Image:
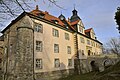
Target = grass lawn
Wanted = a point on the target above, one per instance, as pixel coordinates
(87, 76)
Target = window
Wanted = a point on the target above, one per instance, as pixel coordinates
(88, 42)
(81, 29)
(39, 63)
(67, 36)
(89, 52)
(56, 48)
(68, 49)
(82, 40)
(41, 15)
(57, 63)
(5, 51)
(82, 52)
(38, 28)
(91, 43)
(94, 44)
(0, 60)
(39, 46)
(11, 48)
(6, 36)
(69, 62)
(55, 33)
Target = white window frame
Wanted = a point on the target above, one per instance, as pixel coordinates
(56, 48)
(69, 62)
(39, 28)
(67, 37)
(88, 42)
(82, 40)
(57, 63)
(68, 49)
(38, 63)
(39, 46)
(55, 32)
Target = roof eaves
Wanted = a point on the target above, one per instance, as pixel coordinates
(47, 21)
(89, 38)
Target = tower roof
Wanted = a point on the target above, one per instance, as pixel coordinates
(74, 16)
(61, 17)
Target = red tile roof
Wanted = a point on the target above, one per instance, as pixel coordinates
(88, 30)
(49, 17)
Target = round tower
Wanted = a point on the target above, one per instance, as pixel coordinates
(24, 55)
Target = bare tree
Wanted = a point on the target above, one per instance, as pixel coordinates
(12, 8)
(114, 45)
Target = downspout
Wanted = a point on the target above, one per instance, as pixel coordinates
(77, 52)
(6, 73)
(33, 58)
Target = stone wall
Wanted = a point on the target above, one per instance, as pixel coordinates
(24, 55)
(53, 75)
(97, 63)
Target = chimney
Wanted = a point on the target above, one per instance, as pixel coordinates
(68, 19)
(37, 8)
(46, 12)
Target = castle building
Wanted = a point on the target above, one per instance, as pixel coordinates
(37, 44)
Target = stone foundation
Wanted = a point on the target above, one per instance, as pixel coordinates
(54, 75)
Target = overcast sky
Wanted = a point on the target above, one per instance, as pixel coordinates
(98, 14)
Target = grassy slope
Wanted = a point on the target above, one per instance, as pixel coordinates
(111, 73)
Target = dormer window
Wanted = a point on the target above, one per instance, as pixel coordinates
(41, 15)
(80, 29)
(66, 25)
(61, 17)
(39, 28)
(55, 21)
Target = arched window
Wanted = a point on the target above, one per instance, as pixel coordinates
(88, 52)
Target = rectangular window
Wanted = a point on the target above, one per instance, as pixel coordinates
(94, 44)
(38, 28)
(39, 46)
(68, 49)
(57, 63)
(91, 43)
(88, 42)
(55, 33)
(6, 49)
(82, 40)
(56, 48)
(69, 62)
(0, 60)
(39, 63)
(82, 52)
(67, 36)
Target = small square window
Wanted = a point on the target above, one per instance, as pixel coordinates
(38, 28)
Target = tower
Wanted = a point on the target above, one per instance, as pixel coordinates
(74, 16)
